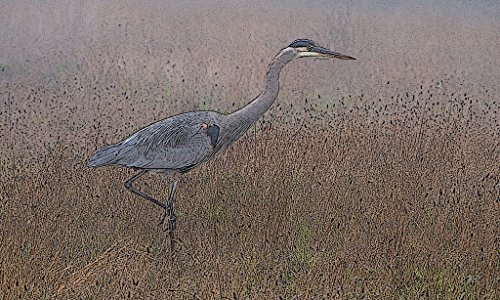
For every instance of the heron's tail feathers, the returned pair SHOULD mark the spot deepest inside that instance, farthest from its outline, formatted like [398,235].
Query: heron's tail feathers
[107,155]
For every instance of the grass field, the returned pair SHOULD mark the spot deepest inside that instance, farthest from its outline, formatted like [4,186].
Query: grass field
[373,179]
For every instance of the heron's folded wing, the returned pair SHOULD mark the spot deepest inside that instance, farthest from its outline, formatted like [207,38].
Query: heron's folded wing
[176,143]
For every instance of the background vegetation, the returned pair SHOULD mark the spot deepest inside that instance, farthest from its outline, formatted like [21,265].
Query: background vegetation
[371,179]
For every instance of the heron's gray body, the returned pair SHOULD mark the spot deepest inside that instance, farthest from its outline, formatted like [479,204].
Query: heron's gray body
[173,145]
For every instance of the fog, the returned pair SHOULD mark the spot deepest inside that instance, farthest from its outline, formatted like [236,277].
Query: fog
[394,41]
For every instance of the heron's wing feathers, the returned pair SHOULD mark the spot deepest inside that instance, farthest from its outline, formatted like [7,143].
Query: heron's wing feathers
[176,143]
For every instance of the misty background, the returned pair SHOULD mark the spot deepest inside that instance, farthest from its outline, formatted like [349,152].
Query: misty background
[166,57]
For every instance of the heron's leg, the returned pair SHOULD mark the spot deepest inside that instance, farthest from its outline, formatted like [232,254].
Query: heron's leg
[169,210]
[131,188]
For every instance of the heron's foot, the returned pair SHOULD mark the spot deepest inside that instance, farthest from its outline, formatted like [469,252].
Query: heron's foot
[163,217]
[172,221]
[172,218]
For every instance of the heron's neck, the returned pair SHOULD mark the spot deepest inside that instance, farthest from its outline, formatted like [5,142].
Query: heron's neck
[255,109]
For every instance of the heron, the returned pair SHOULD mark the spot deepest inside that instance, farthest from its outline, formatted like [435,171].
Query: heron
[180,143]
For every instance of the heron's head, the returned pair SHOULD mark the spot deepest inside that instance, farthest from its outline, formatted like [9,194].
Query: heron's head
[308,48]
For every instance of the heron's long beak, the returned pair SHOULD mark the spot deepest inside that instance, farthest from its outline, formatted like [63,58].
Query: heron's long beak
[324,53]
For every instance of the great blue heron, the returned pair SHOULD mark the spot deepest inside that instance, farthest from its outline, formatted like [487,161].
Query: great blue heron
[180,143]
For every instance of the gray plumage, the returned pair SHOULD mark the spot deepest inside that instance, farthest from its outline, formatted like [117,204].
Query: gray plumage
[172,145]
[184,141]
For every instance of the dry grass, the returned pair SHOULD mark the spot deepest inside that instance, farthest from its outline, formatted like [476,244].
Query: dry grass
[382,184]
[357,210]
